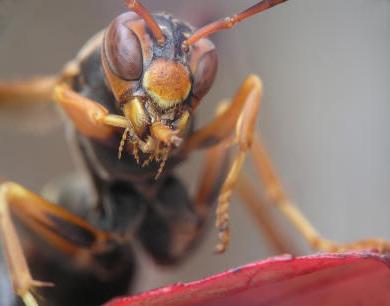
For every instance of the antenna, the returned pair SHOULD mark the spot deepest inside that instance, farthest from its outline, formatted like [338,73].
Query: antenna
[229,22]
[141,11]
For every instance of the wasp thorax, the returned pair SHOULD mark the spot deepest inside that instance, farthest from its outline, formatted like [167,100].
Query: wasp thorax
[167,82]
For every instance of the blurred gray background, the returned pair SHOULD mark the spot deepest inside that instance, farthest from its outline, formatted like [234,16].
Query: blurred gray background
[325,116]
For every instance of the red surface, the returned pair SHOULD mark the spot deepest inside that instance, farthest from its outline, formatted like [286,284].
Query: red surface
[351,279]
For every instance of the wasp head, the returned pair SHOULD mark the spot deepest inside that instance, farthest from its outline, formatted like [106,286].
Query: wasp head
[156,80]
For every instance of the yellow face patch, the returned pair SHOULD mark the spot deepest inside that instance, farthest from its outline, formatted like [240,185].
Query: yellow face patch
[135,112]
[167,82]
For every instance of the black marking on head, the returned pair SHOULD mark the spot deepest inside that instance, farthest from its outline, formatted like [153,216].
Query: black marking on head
[176,32]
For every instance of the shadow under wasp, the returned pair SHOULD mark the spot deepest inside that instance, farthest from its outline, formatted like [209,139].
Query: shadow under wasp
[133,89]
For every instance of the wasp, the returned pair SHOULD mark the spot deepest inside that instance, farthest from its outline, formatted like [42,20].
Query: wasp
[130,98]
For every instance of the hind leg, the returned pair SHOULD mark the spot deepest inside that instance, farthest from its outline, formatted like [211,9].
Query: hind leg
[70,235]
[278,197]
[259,209]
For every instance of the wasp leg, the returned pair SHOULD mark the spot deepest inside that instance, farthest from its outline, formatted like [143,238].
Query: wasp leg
[240,116]
[90,118]
[30,91]
[64,231]
[35,89]
[277,195]
[211,178]
[213,171]
[262,214]
[244,104]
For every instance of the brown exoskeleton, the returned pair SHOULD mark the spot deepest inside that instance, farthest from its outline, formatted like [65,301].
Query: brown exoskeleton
[134,89]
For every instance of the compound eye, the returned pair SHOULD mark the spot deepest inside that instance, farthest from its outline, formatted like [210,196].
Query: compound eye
[123,52]
[205,73]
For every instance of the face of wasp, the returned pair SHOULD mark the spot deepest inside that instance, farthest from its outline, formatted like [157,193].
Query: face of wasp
[152,82]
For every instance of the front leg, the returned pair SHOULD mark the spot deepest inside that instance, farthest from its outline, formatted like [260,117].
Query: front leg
[241,116]
[89,117]
[34,90]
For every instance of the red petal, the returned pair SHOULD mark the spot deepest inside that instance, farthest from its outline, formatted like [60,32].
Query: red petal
[361,278]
